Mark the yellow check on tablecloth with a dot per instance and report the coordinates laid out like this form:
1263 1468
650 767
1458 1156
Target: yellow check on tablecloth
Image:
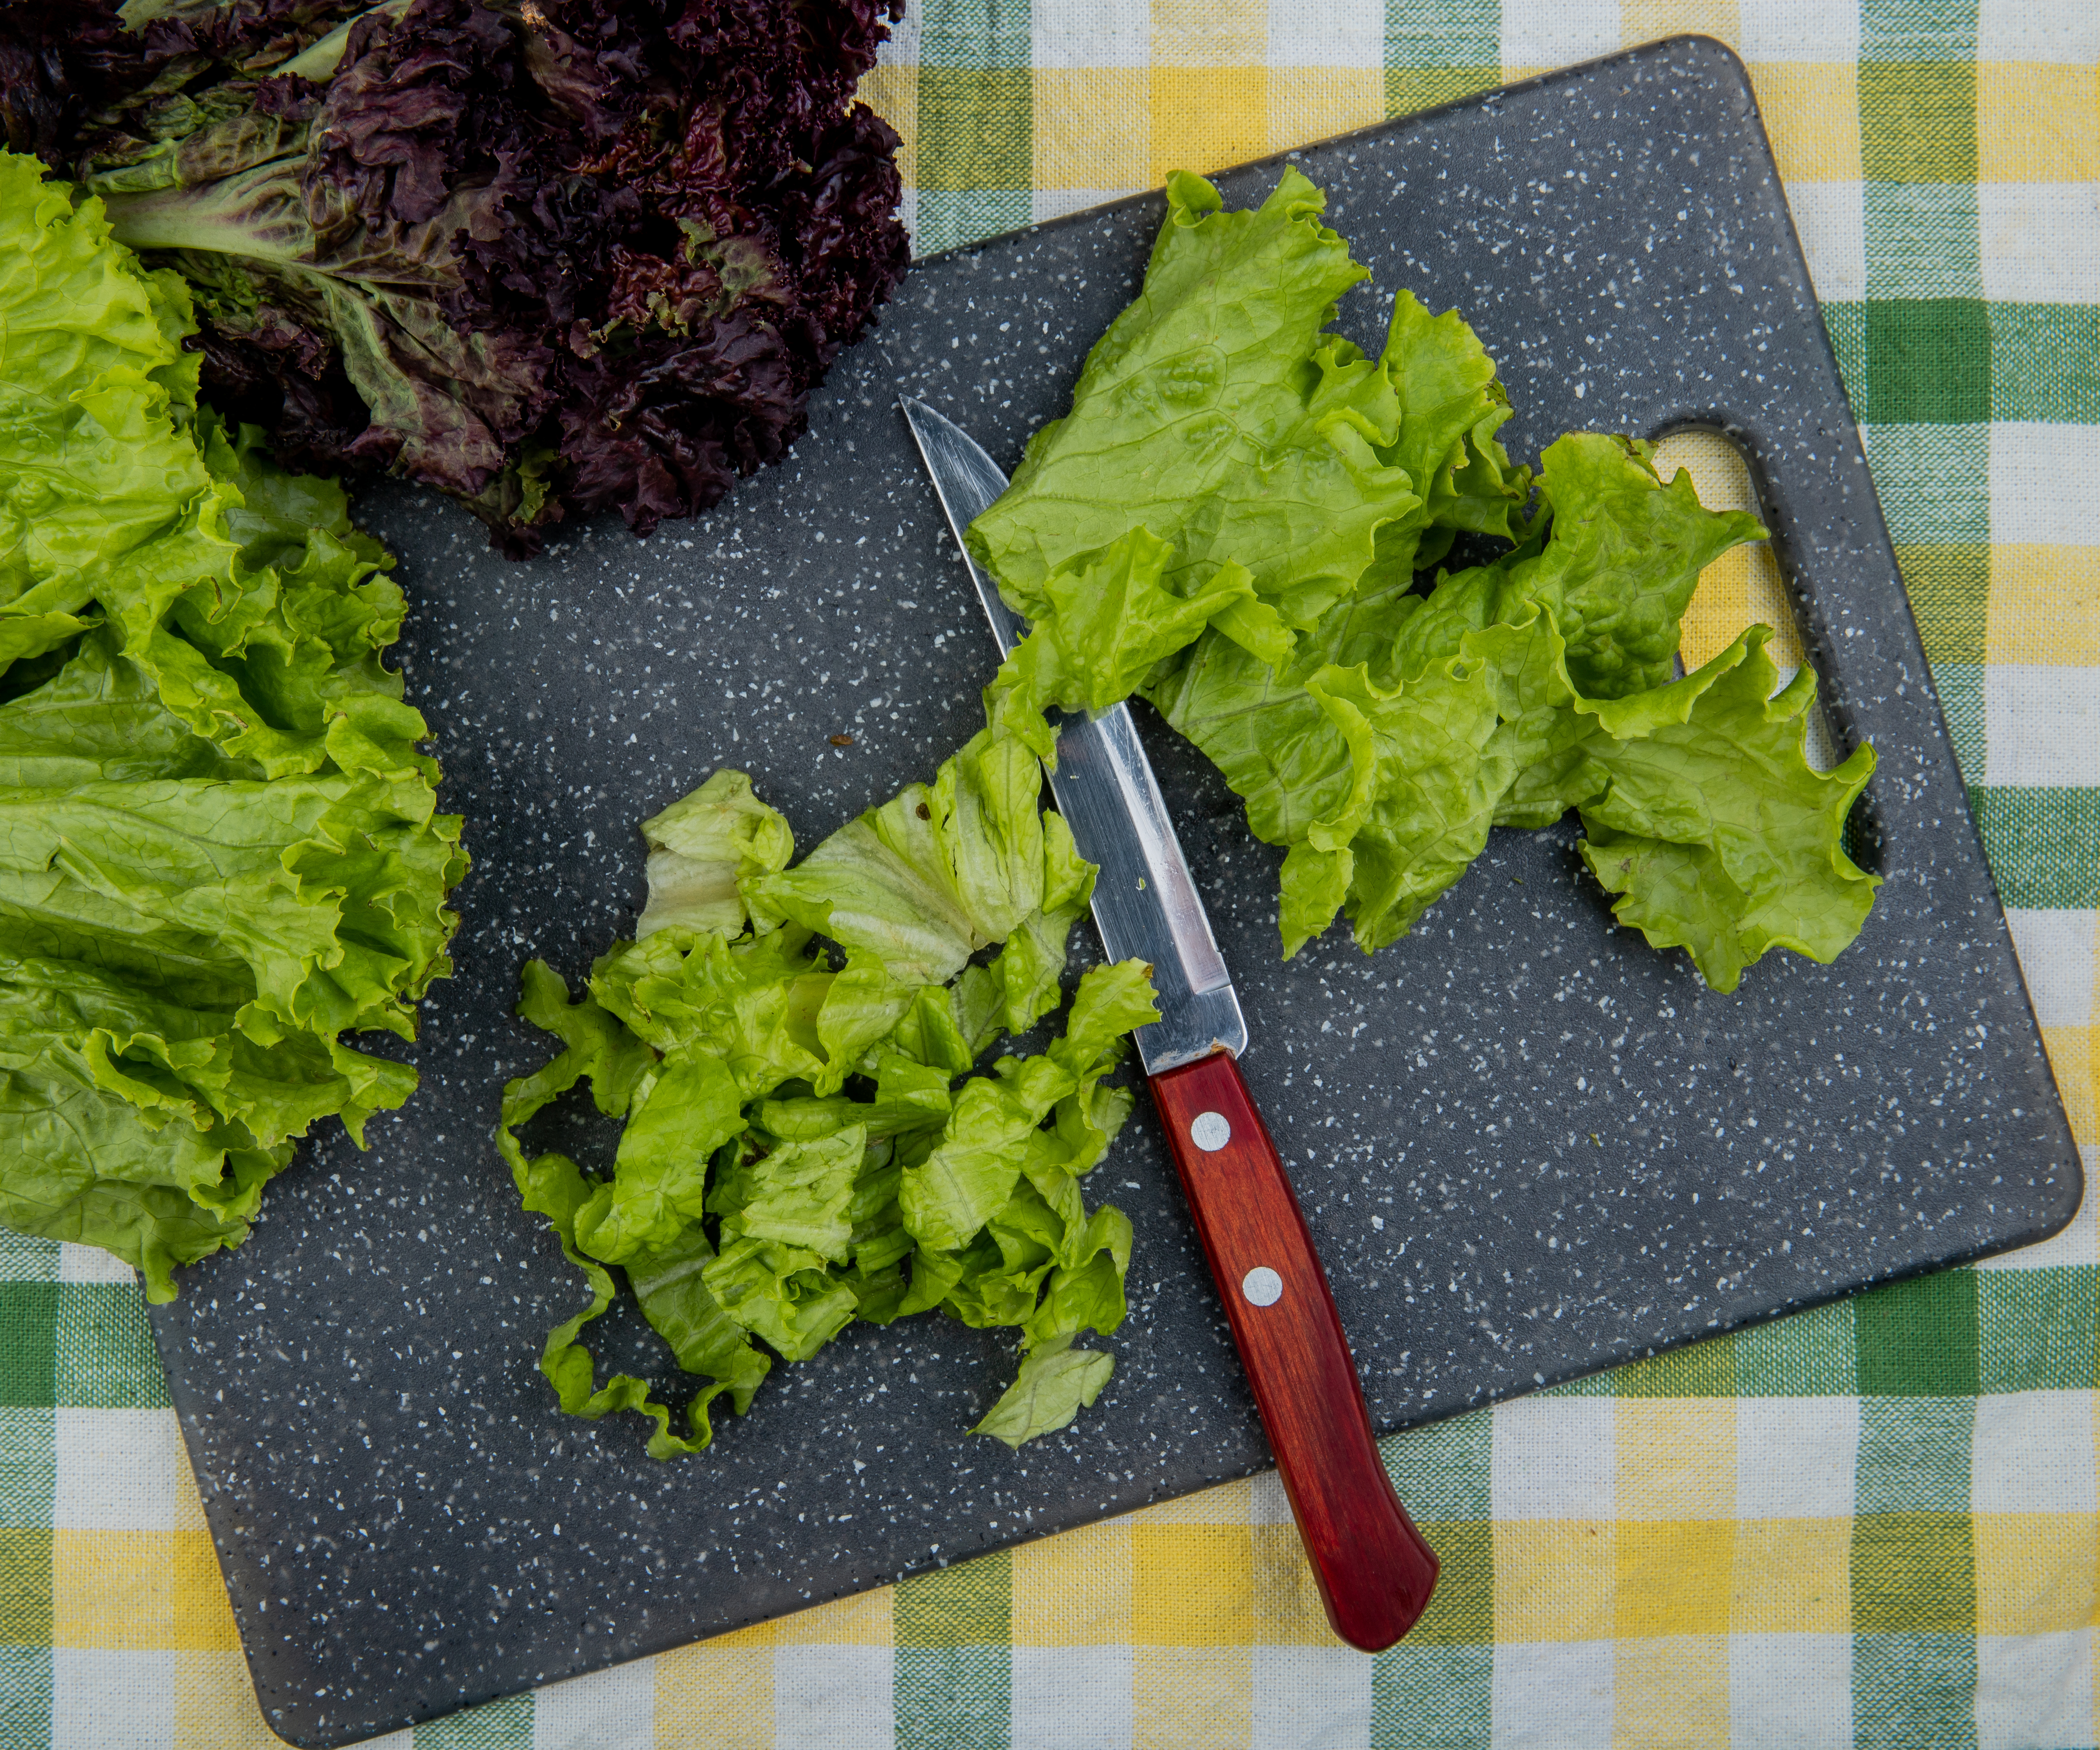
1872 1525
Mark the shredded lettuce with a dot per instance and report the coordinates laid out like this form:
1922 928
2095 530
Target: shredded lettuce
1244 519
220 852
783 1042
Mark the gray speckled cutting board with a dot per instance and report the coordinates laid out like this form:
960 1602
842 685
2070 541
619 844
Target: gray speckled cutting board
1527 1145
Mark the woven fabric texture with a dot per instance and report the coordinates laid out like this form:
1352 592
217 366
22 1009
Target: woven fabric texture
1872 1525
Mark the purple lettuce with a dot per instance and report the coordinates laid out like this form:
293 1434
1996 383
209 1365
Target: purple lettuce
554 259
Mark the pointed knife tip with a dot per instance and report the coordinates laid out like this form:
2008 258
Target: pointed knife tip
917 415
923 416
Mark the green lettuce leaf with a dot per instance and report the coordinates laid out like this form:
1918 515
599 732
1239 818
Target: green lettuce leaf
671 1288
784 1294
701 847
940 871
1718 834
753 1003
912 890
682 1110
1450 407
1406 725
770 1005
92 377
551 1185
1624 557
1053 1387
1216 413
99 719
1372 763
1376 730
1110 623
799 1193
596 1047
220 852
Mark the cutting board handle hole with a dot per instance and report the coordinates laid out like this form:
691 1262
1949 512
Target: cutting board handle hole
1764 582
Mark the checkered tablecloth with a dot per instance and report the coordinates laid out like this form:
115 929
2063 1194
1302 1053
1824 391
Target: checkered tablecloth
1873 1525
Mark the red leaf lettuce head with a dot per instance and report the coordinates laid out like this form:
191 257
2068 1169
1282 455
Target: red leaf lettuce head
554 256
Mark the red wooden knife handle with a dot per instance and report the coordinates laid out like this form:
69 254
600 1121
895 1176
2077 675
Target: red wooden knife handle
1374 1570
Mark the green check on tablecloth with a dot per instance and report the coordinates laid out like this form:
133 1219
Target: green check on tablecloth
1871 1525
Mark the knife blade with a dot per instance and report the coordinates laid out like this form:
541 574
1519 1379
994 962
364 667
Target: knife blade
1375 1571
1145 906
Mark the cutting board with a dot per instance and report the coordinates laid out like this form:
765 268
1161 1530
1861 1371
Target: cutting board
1528 1146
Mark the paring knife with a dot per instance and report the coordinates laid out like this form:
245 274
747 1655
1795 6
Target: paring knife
1375 1571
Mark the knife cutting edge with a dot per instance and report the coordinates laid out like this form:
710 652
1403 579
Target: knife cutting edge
1375 1571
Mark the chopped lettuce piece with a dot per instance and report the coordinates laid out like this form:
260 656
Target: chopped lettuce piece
973 1170
682 1110
671 1287
784 1294
701 847
940 871
1053 1387
800 1193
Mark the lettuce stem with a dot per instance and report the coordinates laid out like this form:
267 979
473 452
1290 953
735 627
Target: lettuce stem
260 214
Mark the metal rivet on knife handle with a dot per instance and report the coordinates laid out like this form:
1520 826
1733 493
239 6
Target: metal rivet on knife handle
1262 1286
1210 1132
